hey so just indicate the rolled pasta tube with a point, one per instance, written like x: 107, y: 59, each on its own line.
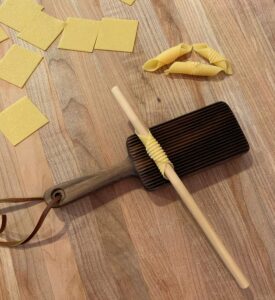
x: 167, y: 57
x: 213, y: 57
x: 193, y: 68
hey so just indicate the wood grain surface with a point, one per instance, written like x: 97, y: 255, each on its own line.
x: 123, y: 242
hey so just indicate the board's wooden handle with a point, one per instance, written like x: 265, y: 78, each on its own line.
x: 187, y: 198
x: 75, y: 189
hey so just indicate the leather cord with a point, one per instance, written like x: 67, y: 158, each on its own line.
x: 16, y: 243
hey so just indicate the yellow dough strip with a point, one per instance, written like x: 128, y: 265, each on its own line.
x: 155, y: 151
x: 79, y: 35
x: 213, y: 57
x: 42, y: 30
x: 20, y: 120
x: 194, y: 68
x: 167, y: 57
x: 18, y: 13
x: 18, y: 64
x: 3, y: 35
x: 129, y: 2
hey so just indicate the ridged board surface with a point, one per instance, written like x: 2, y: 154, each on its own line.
x: 192, y: 142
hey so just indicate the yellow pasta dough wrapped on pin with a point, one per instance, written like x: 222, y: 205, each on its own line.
x: 166, y: 57
x: 193, y: 68
x: 213, y: 57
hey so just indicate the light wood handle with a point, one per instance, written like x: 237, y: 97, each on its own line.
x: 75, y: 189
x: 187, y: 198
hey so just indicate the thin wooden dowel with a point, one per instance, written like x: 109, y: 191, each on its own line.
x: 187, y: 198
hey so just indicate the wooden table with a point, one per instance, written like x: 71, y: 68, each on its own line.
x: 123, y: 242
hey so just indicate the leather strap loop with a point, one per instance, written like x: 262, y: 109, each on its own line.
x: 16, y: 243
x: 3, y: 224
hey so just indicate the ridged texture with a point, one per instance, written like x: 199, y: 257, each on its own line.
x: 192, y: 142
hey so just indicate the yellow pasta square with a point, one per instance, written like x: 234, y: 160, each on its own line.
x: 79, y: 35
x: 20, y: 120
x: 3, y: 35
x: 42, y: 30
x: 18, y: 64
x: 17, y: 13
x: 117, y: 35
x: 129, y: 2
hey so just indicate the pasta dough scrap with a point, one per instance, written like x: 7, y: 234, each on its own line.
x: 20, y: 120
x: 117, y: 35
x: 3, y: 35
x: 194, y: 68
x: 79, y: 35
x: 18, y: 64
x: 213, y: 57
x: 129, y: 2
x: 42, y: 30
x: 167, y: 57
x: 17, y: 13
x: 156, y: 152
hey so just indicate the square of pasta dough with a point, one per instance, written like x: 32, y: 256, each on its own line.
x: 3, y: 35
x: 129, y: 2
x: 17, y: 13
x: 79, y: 35
x: 42, y: 30
x: 20, y: 120
x: 117, y: 35
x: 18, y: 64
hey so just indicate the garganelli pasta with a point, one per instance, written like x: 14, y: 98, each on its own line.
x: 167, y: 57
x: 218, y: 62
x: 155, y: 151
x: 213, y: 57
x: 194, y: 68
